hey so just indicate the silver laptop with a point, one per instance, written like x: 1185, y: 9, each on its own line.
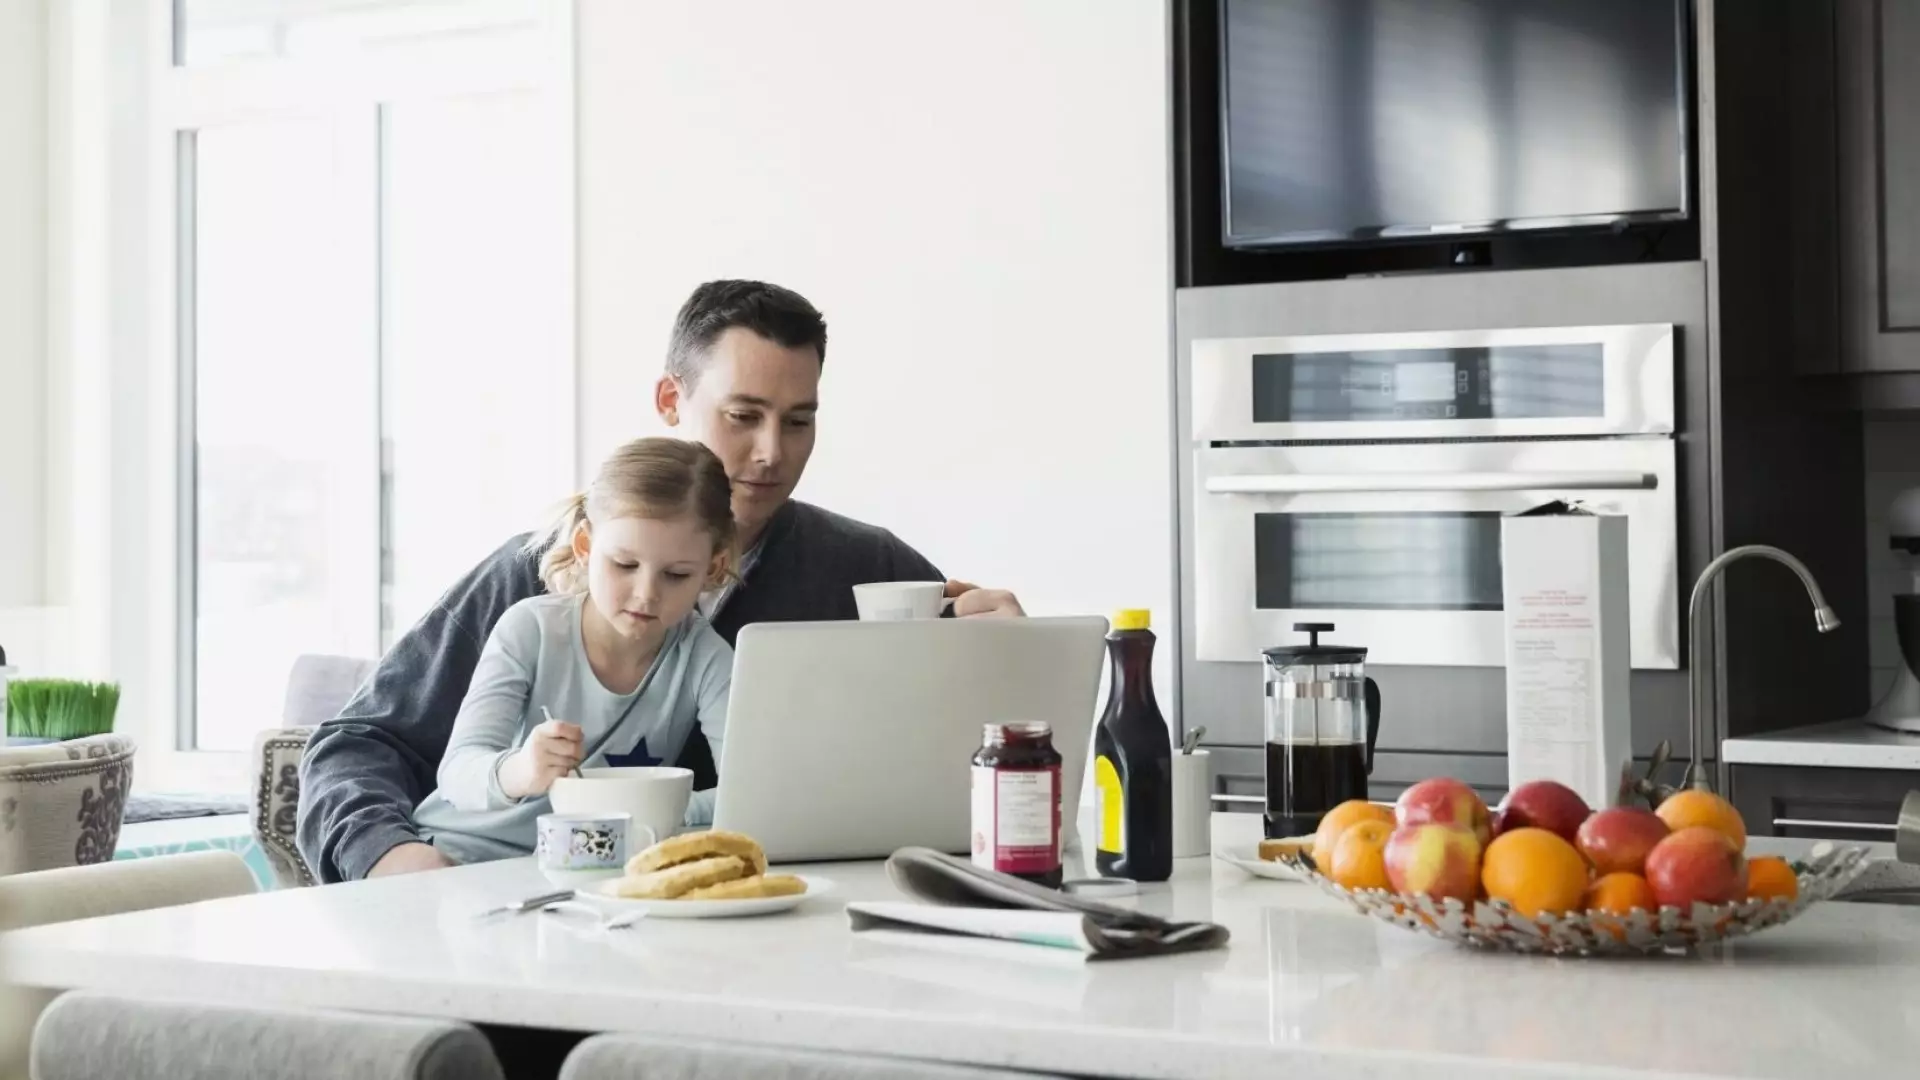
x: 849, y: 740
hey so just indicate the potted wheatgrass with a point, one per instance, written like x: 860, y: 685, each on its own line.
x: 56, y: 710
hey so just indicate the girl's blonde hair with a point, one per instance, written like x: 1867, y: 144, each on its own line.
x: 652, y: 478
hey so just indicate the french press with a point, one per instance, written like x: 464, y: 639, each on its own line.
x: 1323, y: 717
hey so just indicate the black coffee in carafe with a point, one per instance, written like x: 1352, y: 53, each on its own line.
x: 1322, y: 717
x: 1306, y: 780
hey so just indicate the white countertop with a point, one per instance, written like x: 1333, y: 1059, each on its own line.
x: 1305, y: 985
x: 1844, y: 744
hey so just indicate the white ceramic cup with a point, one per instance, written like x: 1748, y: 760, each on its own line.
x: 892, y: 601
x: 655, y: 795
x: 1192, y: 804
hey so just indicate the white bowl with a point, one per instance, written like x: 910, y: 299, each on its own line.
x: 656, y: 796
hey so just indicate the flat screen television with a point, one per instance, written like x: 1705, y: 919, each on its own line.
x: 1358, y: 120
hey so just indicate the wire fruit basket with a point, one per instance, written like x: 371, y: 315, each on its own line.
x: 1494, y: 924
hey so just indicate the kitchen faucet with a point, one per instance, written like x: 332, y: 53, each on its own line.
x: 1824, y: 620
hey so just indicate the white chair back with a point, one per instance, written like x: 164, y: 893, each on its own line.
x: 88, y: 1035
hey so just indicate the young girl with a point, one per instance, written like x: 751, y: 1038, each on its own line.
x: 614, y: 651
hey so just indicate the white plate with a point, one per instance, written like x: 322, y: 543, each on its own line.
x: 596, y: 897
x: 1247, y: 857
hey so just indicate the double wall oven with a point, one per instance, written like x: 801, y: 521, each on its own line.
x: 1360, y: 479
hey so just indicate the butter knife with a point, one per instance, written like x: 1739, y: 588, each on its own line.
x: 533, y: 903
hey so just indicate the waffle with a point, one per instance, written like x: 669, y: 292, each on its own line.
x: 695, y: 846
x: 676, y: 881
x: 757, y: 887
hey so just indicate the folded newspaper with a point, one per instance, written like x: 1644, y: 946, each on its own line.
x: 961, y: 898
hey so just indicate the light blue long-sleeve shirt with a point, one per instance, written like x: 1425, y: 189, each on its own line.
x: 536, y: 657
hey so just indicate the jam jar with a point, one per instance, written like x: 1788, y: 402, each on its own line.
x: 1016, y: 802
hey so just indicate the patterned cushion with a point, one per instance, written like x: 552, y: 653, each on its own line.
x: 61, y: 803
x: 276, y: 803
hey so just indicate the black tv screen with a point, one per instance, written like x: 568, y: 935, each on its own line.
x: 1350, y: 120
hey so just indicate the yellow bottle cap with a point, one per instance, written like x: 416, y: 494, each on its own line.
x: 1132, y: 619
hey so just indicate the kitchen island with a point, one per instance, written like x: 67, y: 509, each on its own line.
x: 1305, y: 987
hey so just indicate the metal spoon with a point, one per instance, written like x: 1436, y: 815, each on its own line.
x: 1193, y: 738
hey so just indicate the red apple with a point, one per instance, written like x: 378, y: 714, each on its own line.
x: 1542, y: 804
x: 1618, y: 839
x: 1694, y: 865
x: 1434, y: 860
x: 1444, y: 801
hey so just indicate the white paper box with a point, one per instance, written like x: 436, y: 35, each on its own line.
x: 1564, y: 581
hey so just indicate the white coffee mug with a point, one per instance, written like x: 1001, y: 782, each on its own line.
x: 655, y: 795
x: 891, y: 601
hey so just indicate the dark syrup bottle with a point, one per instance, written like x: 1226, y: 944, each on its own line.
x: 1133, y: 762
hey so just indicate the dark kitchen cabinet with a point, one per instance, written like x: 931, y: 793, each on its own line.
x: 1877, y: 143
x: 1821, y: 803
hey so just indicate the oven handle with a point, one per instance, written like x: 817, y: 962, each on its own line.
x: 1310, y: 483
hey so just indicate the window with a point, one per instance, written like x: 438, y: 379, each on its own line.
x: 373, y: 311
x: 283, y: 474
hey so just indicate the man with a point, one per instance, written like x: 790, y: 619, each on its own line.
x: 743, y: 377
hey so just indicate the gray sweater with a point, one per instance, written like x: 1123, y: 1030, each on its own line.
x: 535, y: 662
x: 365, y: 770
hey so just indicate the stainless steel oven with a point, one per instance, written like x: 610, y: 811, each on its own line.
x: 1360, y: 479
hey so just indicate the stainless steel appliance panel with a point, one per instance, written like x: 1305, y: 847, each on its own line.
x: 1505, y: 383
x: 1399, y: 544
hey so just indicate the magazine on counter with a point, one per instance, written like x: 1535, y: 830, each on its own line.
x: 956, y: 897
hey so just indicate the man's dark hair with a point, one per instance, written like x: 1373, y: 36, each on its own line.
x: 779, y: 315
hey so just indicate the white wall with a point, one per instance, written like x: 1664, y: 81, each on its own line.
x: 23, y: 302
x: 33, y: 634
x: 976, y: 193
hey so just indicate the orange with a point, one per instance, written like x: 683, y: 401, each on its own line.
x: 1619, y: 893
x: 1770, y: 878
x: 1360, y: 858
x: 1535, y: 871
x: 1684, y: 809
x: 1613, y: 897
x: 1339, y: 820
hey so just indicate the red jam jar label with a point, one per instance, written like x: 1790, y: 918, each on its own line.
x: 1016, y: 819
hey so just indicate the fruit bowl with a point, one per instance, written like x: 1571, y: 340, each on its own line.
x: 1494, y: 924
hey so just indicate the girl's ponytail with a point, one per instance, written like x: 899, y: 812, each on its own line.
x: 559, y: 570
